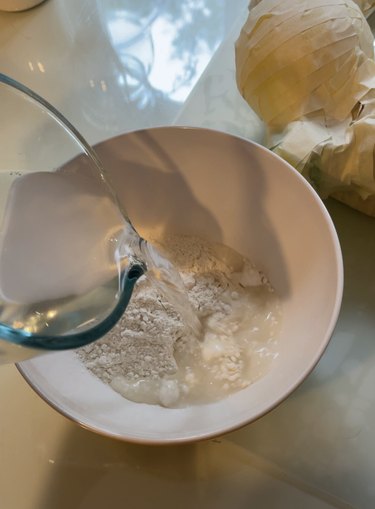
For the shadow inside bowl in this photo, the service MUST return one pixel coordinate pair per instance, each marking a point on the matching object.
(177, 180)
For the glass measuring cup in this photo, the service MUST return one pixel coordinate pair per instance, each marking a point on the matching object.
(68, 253)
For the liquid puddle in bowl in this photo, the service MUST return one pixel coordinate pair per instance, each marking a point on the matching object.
(153, 356)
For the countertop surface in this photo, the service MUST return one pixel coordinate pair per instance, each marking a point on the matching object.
(114, 66)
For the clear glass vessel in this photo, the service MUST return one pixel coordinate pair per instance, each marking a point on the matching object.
(68, 253)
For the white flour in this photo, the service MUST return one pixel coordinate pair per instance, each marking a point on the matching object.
(151, 356)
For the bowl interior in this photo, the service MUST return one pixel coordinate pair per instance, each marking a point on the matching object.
(229, 190)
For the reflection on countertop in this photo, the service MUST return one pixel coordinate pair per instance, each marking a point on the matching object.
(112, 66)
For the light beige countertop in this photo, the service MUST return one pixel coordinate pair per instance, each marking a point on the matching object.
(317, 449)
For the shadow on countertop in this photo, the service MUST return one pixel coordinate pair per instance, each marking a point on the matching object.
(94, 472)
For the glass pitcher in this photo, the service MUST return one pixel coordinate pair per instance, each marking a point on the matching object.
(69, 256)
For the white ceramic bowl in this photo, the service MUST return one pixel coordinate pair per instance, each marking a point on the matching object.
(233, 191)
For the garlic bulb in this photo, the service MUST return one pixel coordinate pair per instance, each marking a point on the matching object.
(306, 68)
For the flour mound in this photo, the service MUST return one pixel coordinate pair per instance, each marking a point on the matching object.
(151, 356)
